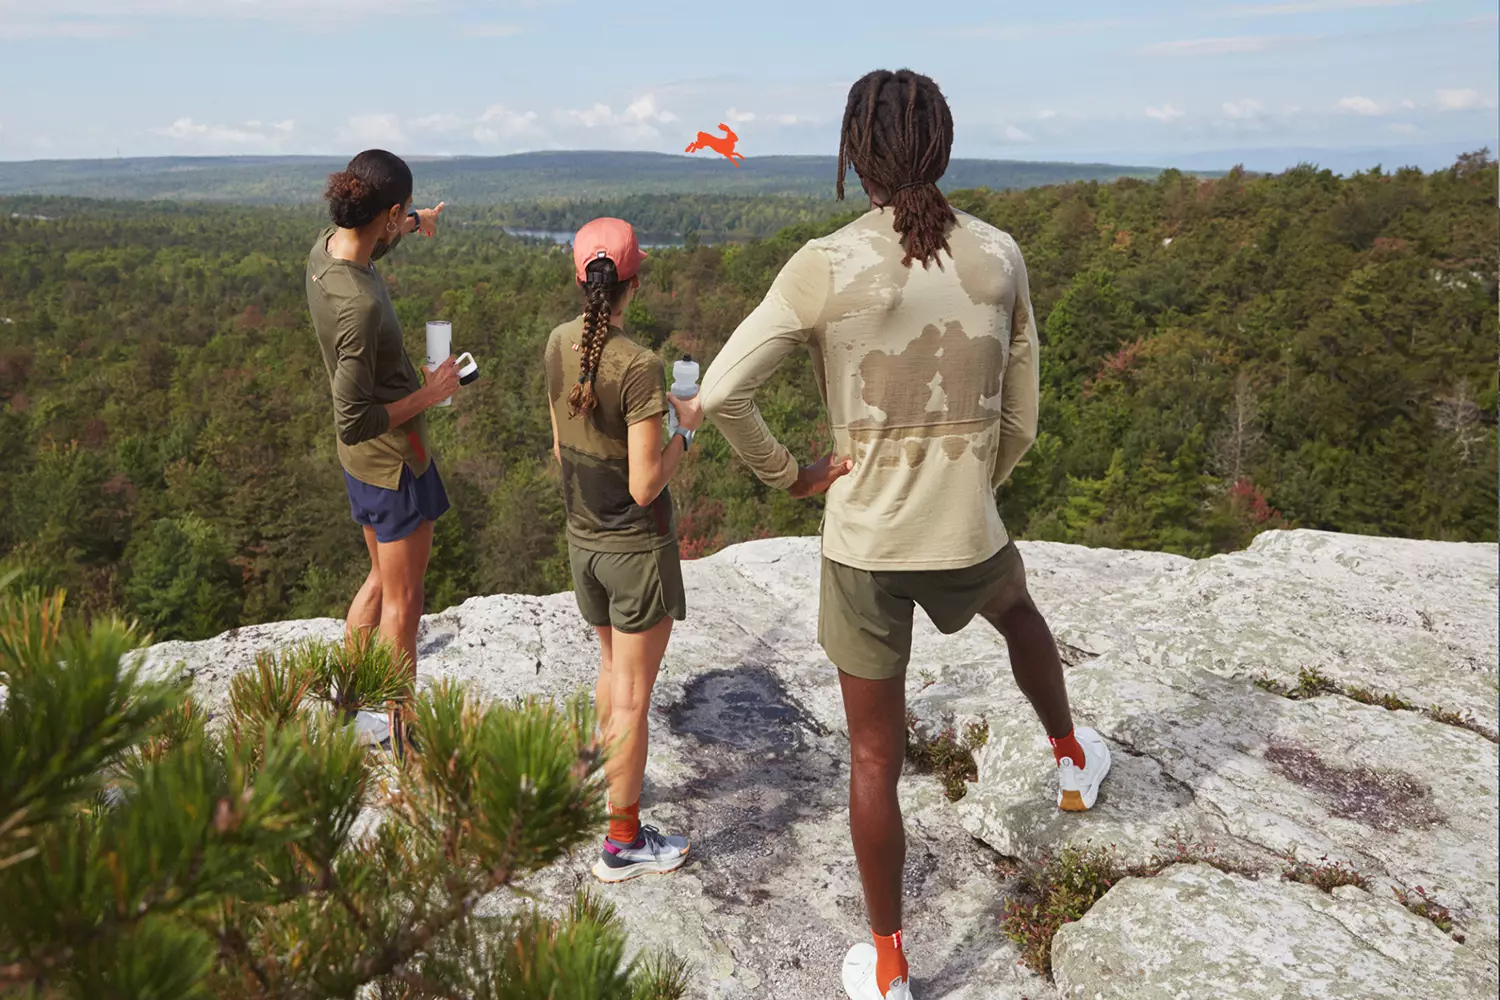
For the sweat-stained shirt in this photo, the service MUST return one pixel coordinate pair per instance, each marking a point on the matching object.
(930, 377)
(367, 365)
(630, 386)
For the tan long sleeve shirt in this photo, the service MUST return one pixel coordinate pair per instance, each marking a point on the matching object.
(930, 377)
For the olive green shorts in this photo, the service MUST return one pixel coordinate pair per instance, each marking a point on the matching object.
(630, 591)
(865, 617)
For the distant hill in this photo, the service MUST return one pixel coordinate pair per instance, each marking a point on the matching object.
(530, 177)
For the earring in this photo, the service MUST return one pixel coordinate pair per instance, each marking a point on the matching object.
(390, 227)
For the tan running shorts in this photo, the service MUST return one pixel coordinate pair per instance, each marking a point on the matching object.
(630, 591)
(865, 617)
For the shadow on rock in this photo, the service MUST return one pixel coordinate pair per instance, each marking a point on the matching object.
(761, 765)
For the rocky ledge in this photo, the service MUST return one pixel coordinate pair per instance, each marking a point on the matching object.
(1182, 665)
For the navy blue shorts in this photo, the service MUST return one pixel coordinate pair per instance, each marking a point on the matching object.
(396, 513)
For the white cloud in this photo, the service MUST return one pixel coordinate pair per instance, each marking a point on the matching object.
(187, 130)
(1019, 32)
(25, 31)
(1241, 110)
(640, 117)
(599, 114)
(373, 130)
(106, 19)
(1220, 46)
(493, 30)
(791, 119)
(1311, 7)
(438, 123)
(1404, 128)
(1460, 100)
(501, 124)
(644, 109)
(1046, 114)
(1165, 113)
(1016, 135)
(297, 10)
(285, 126)
(1361, 106)
(736, 115)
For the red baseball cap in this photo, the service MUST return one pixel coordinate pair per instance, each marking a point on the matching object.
(612, 238)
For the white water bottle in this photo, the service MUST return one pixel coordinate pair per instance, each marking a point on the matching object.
(439, 345)
(684, 386)
(685, 378)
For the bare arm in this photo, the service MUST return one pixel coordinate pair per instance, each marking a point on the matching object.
(651, 465)
(1020, 388)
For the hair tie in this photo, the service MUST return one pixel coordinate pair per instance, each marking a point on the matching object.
(909, 184)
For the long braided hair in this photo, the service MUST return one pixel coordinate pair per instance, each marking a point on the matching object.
(898, 133)
(602, 294)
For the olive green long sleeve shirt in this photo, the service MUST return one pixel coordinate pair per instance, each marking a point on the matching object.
(930, 377)
(365, 356)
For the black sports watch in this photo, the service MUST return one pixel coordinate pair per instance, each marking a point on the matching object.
(416, 220)
(687, 438)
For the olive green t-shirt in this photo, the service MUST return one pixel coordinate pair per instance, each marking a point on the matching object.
(595, 447)
(365, 357)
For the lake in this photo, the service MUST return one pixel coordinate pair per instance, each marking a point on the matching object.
(566, 236)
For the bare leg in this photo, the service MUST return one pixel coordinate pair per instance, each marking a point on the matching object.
(364, 612)
(635, 659)
(604, 686)
(1033, 656)
(876, 713)
(403, 563)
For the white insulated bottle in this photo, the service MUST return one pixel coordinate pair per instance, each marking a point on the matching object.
(439, 346)
(684, 386)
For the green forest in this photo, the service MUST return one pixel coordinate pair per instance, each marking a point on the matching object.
(551, 175)
(1220, 357)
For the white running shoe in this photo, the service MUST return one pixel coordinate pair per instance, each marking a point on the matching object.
(375, 727)
(859, 977)
(1078, 787)
(653, 853)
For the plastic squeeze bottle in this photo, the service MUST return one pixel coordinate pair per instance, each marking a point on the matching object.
(684, 386)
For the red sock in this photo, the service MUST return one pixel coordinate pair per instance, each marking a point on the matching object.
(625, 825)
(1068, 747)
(890, 961)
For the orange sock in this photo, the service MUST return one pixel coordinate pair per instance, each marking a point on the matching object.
(625, 825)
(1069, 747)
(890, 961)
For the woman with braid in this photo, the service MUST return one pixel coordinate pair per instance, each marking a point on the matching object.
(919, 322)
(608, 402)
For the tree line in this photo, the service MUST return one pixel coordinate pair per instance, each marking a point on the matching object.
(1220, 357)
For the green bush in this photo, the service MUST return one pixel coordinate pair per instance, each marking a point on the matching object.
(145, 852)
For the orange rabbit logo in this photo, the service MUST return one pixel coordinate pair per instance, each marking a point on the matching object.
(723, 146)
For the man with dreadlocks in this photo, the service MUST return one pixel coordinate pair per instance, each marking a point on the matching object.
(920, 327)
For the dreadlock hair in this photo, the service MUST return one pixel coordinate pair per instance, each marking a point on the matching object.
(602, 294)
(898, 133)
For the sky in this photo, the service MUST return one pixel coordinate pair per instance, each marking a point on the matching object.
(1156, 83)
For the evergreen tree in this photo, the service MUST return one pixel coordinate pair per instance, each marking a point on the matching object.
(147, 852)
